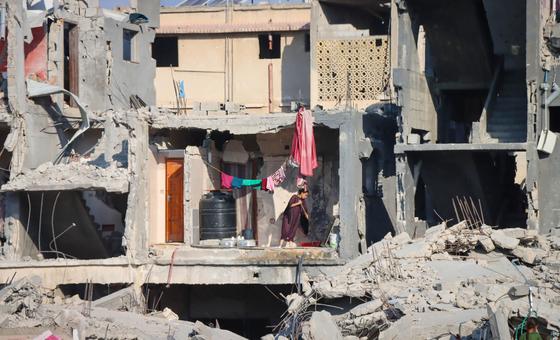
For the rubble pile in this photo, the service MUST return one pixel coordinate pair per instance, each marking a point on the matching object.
(28, 308)
(74, 174)
(454, 280)
(20, 301)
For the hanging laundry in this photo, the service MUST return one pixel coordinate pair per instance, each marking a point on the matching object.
(236, 183)
(269, 184)
(226, 181)
(263, 184)
(279, 176)
(254, 183)
(303, 143)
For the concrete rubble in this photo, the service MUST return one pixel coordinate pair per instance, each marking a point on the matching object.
(26, 306)
(452, 281)
(74, 175)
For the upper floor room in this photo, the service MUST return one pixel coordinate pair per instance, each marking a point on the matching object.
(101, 55)
(258, 57)
(254, 57)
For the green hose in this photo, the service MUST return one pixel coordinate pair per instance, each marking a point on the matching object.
(521, 327)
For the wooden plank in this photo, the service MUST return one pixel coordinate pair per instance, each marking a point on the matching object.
(73, 62)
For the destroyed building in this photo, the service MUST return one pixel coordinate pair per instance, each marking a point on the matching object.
(477, 100)
(117, 122)
(102, 186)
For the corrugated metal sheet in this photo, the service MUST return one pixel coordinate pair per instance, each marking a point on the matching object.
(234, 28)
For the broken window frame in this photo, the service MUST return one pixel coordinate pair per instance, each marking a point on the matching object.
(130, 53)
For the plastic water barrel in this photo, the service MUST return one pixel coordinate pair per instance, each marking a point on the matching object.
(217, 216)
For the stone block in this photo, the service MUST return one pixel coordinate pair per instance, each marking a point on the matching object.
(504, 241)
(401, 238)
(366, 308)
(322, 327)
(518, 233)
(486, 243)
(414, 250)
(210, 106)
(519, 291)
(124, 299)
(525, 254)
(433, 233)
(458, 227)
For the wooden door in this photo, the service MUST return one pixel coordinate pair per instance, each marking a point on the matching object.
(71, 61)
(174, 227)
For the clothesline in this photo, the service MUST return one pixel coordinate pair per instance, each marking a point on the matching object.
(302, 154)
(266, 184)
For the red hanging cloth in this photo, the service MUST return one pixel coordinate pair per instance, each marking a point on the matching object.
(303, 143)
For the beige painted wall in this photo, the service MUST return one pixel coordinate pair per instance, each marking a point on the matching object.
(199, 181)
(202, 62)
(244, 14)
(156, 199)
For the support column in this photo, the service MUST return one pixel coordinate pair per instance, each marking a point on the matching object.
(136, 221)
(17, 24)
(350, 172)
(405, 196)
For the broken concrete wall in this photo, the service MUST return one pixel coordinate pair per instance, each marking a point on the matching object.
(44, 138)
(150, 9)
(543, 189)
(128, 78)
(418, 105)
(136, 221)
(16, 63)
(352, 226)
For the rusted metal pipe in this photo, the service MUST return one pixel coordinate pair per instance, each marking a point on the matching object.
(270, 89)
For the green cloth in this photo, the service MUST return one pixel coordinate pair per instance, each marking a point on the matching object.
(256, 183)
(530, 336)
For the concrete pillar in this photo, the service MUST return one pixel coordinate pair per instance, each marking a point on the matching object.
(16, 57)
(136, 221)
(350, 173)
(405, 196)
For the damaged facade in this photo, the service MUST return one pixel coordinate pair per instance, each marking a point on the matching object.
(117, 123)
(101, 180)
(480, 110)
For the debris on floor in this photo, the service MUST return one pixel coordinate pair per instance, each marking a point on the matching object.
(455, 281)
(26, 309)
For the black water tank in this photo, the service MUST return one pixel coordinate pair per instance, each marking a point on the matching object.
(217, 216)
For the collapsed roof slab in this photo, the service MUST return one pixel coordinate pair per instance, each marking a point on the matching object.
(241, 124)
(72, 176)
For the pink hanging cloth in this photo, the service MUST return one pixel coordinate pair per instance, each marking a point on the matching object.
(303, 143)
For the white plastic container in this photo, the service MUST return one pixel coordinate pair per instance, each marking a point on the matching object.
(333, 240)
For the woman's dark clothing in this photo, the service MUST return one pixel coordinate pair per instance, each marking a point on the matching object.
(294, 218)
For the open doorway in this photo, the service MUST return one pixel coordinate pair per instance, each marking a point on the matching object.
(71, 59)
